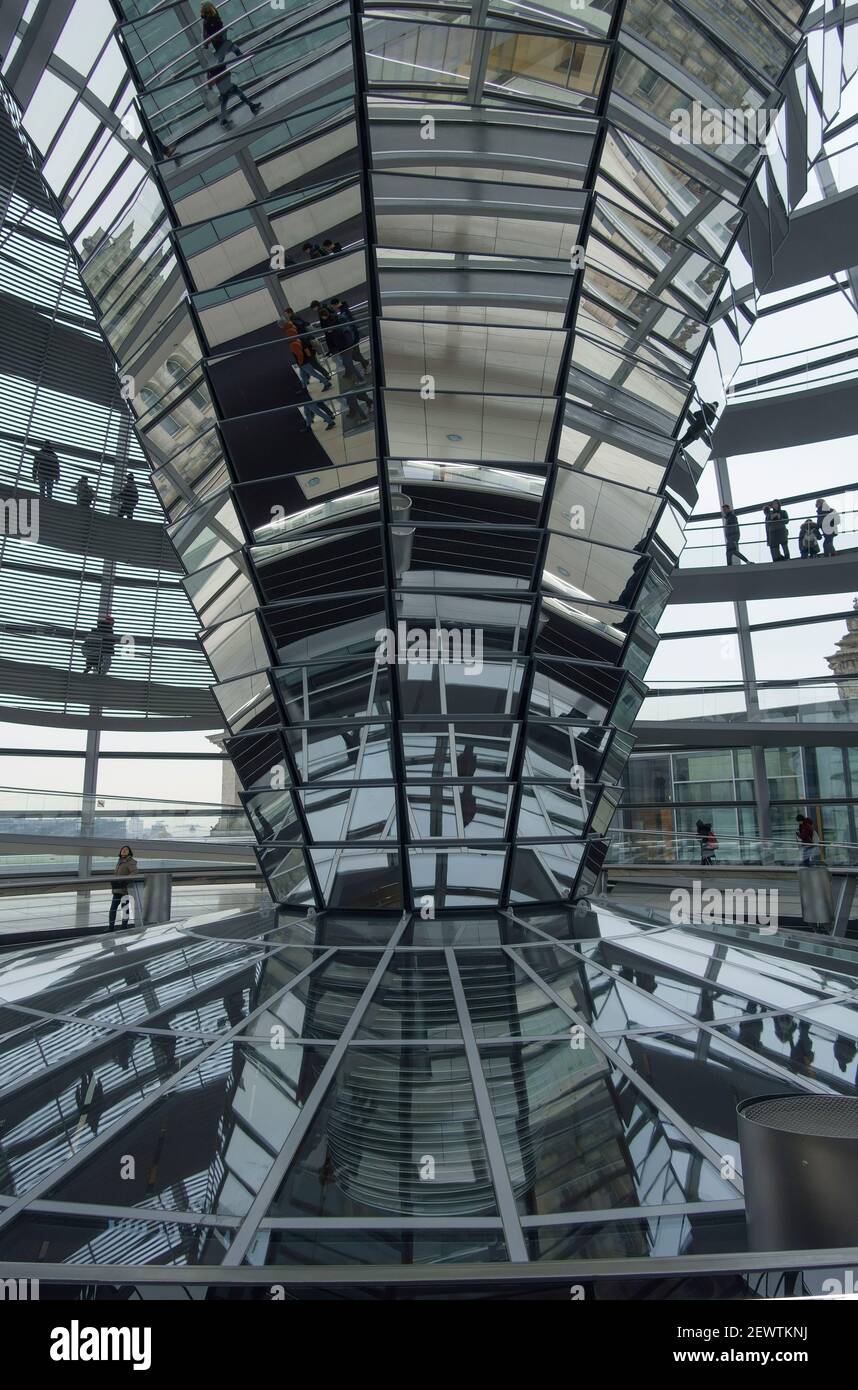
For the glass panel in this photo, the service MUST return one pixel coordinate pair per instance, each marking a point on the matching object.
(377, 1247)
(577, 1135)
(63, 1112)
(208, 1145)
(367, 1156)
(102, 1240)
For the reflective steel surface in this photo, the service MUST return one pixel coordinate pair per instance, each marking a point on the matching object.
(265, 1089)
(435, 284)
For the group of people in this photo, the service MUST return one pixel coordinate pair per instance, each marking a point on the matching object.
(821, 529)
(805, 834)
(337, 328)
(47, 473)
(314, 252)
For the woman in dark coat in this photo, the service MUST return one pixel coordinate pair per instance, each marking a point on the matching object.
(126, 867)
(214, 34)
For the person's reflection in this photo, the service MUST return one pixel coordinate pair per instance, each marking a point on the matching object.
(706, 1009)
(234, 1006)
(343, 341)
(358, 405)
(467, 761)
(344, 315)
(123, 1051)
(351, 738)
(469, 805)
(801, 1051)
(784, 1028)
(303, 350)
(630, 588)
(166, 1048)
(845, 1051)
(312, 408)
(89, 1098)
(327, 1173)
(751, 1029)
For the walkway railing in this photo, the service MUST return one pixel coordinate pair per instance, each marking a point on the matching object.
(645, 847)
(45, 908)
(65, 815)
(706, 545)
(818, 700)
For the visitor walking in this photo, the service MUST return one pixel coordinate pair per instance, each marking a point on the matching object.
(342, 311)
(700, 423)
(702, 830)
(828, 521)
(126, 867)
(731, 536)
(46, 470)
(303, 354)
(808, 539)
(99, 647)
(339, 340)
(777, 532)
(710, 845)
(128, 498)
(806, 836)
(313, 408)
(215, 35)
(221, 78)
(84, 495)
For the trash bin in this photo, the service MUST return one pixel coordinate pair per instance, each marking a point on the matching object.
(402, 536)
(157, 898)
(816, 890)
(799, 1159)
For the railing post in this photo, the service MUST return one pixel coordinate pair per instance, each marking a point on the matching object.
(139, 915)
(158, 897)
(843, 906)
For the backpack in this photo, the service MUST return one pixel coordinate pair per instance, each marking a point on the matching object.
(711, 840)
(805, 832)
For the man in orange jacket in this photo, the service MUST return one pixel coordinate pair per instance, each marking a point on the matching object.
(303, 354)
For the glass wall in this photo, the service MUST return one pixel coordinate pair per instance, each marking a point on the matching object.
(667, 793)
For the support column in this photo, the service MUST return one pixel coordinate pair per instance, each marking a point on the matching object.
(751, 692)
(87, 822)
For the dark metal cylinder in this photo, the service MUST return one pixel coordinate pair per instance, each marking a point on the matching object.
(800, 1170)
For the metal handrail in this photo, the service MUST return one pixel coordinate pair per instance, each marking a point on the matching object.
(680, 849)
(48, 883)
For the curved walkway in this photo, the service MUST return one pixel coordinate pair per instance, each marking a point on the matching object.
(79, 531)
(111, 702)
(833, 574)
(783, 421)
(718, 732)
